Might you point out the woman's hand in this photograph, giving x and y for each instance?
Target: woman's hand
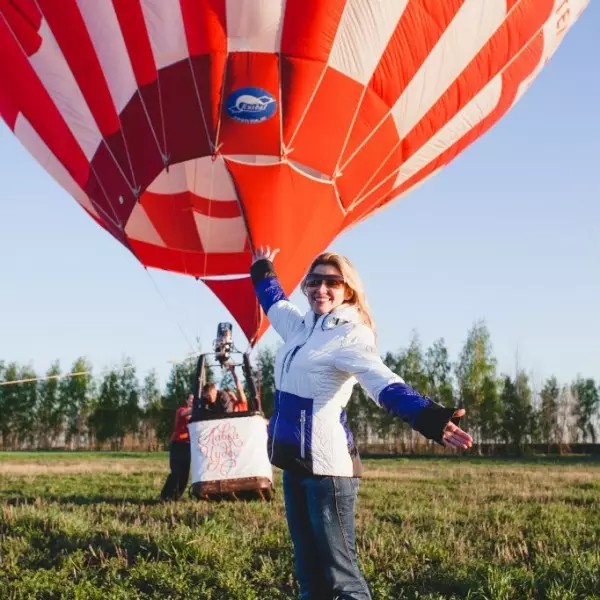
(454, 436)
(264, 252)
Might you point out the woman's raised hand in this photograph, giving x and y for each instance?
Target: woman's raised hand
(264, 252)
(454, 436)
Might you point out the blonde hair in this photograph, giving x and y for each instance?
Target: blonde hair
(352, 281)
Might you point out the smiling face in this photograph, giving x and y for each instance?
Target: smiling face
(325, 289)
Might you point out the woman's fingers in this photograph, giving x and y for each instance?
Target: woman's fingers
(265, 252)
(451, 443)
(455, 436)
(452, 428)
(456, 442)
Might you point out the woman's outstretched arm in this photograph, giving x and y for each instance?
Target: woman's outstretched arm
(359, 357)
(284, 316)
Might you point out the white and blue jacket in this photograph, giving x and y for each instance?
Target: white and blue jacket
(315, 370)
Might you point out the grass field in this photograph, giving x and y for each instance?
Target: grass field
(88, 526)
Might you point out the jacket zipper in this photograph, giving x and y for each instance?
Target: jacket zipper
(284, 370)
(302, 433)
(292, 353)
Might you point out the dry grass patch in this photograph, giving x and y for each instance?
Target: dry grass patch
(80, 467)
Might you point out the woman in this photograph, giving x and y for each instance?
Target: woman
(179, 454)
(325, 353)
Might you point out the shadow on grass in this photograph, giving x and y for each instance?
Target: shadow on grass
(54, 546)
(94, 499)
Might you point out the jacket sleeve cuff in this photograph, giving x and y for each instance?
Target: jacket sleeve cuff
(266, 285)
(261, 270)
(432, 420)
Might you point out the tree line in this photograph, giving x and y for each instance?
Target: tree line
(115, 410)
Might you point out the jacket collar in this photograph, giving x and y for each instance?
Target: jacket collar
(338, 316)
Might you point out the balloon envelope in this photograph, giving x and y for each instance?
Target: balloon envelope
(193, 130)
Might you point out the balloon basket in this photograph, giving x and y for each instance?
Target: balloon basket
(229, 458)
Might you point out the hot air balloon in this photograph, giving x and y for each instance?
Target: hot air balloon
(194, 130)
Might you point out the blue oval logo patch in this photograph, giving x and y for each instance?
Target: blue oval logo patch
(251, 105)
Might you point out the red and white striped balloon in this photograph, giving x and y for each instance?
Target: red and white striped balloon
(194, 129)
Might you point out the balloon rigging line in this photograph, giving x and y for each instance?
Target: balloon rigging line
(310, 101)
(154, 135)
(117, 222)
(210, 142)
(322, 76)
(337, 171)
(169, 309)
(217, 144)
(132, 186)
(213, 147)
(165, 155)
(136, 188)
(63, 376)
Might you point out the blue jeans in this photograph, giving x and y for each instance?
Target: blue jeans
(320, 516)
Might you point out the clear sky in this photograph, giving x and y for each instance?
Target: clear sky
(509, 232)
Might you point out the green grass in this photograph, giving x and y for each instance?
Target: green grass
(87, 525)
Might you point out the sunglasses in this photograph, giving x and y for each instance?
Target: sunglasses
(314, 280)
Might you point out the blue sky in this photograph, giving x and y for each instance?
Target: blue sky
(509, 233)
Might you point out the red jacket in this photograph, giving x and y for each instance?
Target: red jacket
(180, 433)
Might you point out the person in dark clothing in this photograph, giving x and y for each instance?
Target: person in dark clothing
(211, 399)
(179, 454)
(223, 403)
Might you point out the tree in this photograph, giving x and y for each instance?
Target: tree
(567, 423)
(438, 370)
(8, 401)
(266, 376)
(517, 410)
(104, 421)
(476, 364)
(410, 365)
(49, 415)
(24, 400)
(129, 400)
(179, 385)
(151, 406)
(150, 392)
(490, 411)
(549, 425)
(116, 411)
(587, 401)
(76, 394)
